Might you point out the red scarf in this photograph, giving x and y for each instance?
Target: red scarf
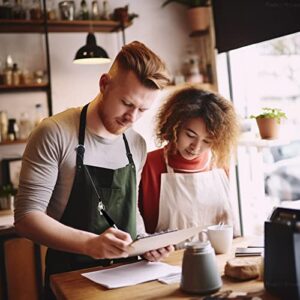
(200, 163)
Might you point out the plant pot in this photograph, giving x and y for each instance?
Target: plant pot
(198, 18)
(6, 202)
(268, 128)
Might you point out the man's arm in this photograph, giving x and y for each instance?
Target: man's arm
(45, 230)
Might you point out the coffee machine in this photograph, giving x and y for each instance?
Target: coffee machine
(282, 253)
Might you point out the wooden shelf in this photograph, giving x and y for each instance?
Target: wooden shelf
(199, 33)
(8, 26)
(7, 143)
(37, 26)
(23, 87)
(85, 26)
(248, 139)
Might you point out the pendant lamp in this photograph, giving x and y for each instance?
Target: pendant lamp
(91, 53)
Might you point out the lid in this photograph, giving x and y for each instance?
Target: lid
(198, 246)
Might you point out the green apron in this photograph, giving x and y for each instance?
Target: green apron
(117, 189)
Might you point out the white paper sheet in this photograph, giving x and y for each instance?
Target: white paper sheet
(131, 274)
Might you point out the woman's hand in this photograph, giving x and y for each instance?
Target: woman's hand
(158, 254)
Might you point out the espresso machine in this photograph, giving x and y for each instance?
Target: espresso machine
(282, 253)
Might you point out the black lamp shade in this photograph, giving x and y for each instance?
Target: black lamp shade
(91, 53)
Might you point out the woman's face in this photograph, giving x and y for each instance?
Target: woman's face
(193, 139)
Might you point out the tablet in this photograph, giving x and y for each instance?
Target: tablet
(160, 240)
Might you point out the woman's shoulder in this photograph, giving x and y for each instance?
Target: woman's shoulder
(155, 160)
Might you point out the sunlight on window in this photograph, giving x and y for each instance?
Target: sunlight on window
(266, 75)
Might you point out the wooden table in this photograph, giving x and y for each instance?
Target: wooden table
(71, 285)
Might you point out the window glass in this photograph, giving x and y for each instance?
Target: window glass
(265, 75)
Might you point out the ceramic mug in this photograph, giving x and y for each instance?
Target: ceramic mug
(220, 237)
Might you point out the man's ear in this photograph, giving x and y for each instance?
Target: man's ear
(103, 82)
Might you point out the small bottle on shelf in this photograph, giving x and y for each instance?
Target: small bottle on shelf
(8, 71)
(95, 10)
(38, 114)
(84, 12)
(3, 126)
(25, 126)
(16, 75)
(105, 11)
(18, 10)
(36, 10)
(13, 130)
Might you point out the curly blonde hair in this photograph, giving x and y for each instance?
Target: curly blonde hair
(217, 113)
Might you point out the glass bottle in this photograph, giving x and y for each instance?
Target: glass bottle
(95, 10)
(8, 79)
(3, 126)
(16, 74)
(84, 12)
(13, 130)
(18, 10)
(38, 114)
(105, 13)
(36, 10)
(25, 126)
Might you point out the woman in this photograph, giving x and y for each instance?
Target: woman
(186, 183)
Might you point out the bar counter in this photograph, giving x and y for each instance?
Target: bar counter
(71, 285)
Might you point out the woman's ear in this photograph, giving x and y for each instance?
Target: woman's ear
(104, 81)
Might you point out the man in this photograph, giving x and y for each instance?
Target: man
(80, 169)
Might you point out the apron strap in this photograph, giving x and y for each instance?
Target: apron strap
(169, 169)
(128, 153)
(80, 148)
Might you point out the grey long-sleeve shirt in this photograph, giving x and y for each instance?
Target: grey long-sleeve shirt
(48, 166)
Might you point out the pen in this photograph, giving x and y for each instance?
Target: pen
(106, 216)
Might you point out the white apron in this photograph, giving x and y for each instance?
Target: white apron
(193, 199)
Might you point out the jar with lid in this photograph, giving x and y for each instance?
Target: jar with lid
(36, 10)
(200, 272)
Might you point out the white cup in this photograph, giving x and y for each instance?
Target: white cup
(220, 237)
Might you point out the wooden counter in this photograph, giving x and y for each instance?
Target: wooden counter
(71, 285)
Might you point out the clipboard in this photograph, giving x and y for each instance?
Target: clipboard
(161, 240)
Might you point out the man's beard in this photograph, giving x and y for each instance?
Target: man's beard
(112, 126)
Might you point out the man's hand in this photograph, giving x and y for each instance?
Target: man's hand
(112, 243)
(158, 254)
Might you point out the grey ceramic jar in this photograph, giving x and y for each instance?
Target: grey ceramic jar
(200, 272)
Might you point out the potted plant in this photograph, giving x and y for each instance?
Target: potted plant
(198, 13)
(268, 122)
(7, 193)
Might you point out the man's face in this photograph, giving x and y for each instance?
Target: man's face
(124, 100)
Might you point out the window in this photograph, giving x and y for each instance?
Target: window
(265, 75)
